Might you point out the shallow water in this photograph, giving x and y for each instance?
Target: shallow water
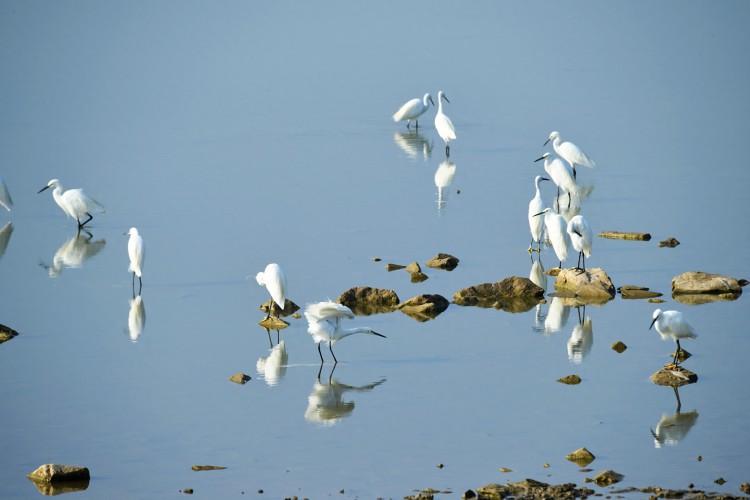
(238, 134)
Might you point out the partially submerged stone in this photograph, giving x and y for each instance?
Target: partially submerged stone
(417, 276)
(52, 473)
(531, 488)
(619, 347)
(593, 284)
(239, 378)
(289, 308)
(617, 235)
(365, 300)
(424, 307)
(698, 282)
(443, 261)
(581, 457)
(207, 467)
(669, 243)
(608, 477)
(7, 333)
(512, 294)
(393, 267)
(570, 380)
(637, 292)
(674, 376)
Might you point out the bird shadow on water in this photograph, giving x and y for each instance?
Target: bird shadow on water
(326, 405)
(73, 253)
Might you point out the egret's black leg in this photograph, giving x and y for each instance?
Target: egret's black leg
(86, 221)
(321, 357)
(140, 285)
(447, 151)
(330, 347)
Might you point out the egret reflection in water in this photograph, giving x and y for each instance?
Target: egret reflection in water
(136, 318)
(5, 233)
(537, 276)
(73, 253)
(326, 405)
(273, 367)
(444, 175)
(5, 200)
(673, 428)
(413, 144)
(581, 339)
(557, 316)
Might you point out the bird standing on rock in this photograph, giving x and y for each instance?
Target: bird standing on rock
(671, 325)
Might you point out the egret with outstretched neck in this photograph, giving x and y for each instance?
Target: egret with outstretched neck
(413, 109)
(324, 324)
(569, 152)
(444, 125)
(74, 202)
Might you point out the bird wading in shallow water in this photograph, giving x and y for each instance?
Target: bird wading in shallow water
(74, 202)
(569, 152)
(413, 109)
(671, 325)
(136, 254)
(444, 125)
(536, 224)
(324, 324)
(274, 280)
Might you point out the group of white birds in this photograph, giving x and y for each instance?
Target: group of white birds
(414, 108)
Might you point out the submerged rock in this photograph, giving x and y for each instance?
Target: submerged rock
(617, 235)
(365, 300)
(593, 284)
(513, 294)
(688, 287)
(417, 276)
(207, 467)
(570, 380)
(530, 488)
(289, 308)
(52, 473)
(424, 307)
(393, 267)
(7, 333)
(669, 243)
(619, 347)
(637, 292)
(443, 261)
(581, 457)
(239, 378)
(608, 477)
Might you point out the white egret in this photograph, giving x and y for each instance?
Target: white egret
(536, 224)
(413, 109)
(74, 202)
(137, 254)
(561, 174)
(324, 324)
(556, 231)
(581, 237)
(443, 124)
(570, 152)
(274, 280)
(671, 325)
(5, 199)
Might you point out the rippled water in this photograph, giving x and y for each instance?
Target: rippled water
(237, 134)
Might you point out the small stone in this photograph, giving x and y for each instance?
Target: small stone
(393, 267)
(376, 259)
(637, 292)
(657, 301)
(700, 458)
(581, 457)
(341, 491)
(468, 495)
(619, 347)
(207, 467)
(570, 380)
(546, 466)
(260, 491)
(745, 488)
(669, 242)
(7, 333)
(443, 261)
(608, 477)
(505, 469)
(440, 466)
(239, 378)
(720, 481)
(188, 491)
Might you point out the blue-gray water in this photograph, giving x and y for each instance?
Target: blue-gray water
(234, 134)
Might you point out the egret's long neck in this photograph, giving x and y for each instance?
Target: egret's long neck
(440, 105)
(556, 144)
(57, 195)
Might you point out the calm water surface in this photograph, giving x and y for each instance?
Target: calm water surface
(235, 134)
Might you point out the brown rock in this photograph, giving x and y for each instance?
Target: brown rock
(608, 477)
(617, 235)
(570, 380)
(7, 333)
(674, 376)
(413, 268)
(581, 457)
(696, 282)
(443, 261)
(51, 473)
(289, 308)
(513, 294)
(393, 267)
(418, 277)
(637, 292)
(669, 242)
(619, 347)
(593, 284)
(273, 323)
(424, 307)
(364, 300)
(239, 378)
(207, 467)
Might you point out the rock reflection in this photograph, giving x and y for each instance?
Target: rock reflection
(136, 318)
(673, 428)
(581, 339)
(325, 404)
(444, 175)
(5, 233)
(413, 144)
(695, 299)
(59, 488)
(273, 367)
(557, 316)
(73, 253)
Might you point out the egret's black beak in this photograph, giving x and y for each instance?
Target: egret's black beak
(379, 334)
(652, 323)
(44, 188)
(536, 215)
(543, 157)
(545, 142)
(446, 98)
(543, 179)
(433, 102)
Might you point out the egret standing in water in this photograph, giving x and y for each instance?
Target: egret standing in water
(74, 202)
(136, 254)
(324, 324)
(536, 224)
(555, 224)
(5, 199)
(274, 280)
(671, 325)
(561, 175)
(570, 152)
(581, 238)
(413, 109)
(444, 125)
